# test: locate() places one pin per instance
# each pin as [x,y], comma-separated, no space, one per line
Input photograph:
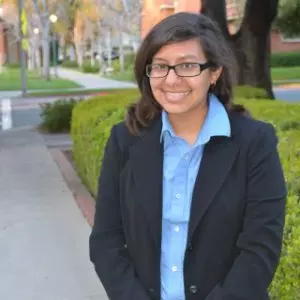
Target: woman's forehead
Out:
[181,50]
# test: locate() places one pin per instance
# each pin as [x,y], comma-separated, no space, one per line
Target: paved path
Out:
[92,81]
[43,235]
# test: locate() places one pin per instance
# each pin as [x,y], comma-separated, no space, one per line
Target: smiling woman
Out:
[191,194]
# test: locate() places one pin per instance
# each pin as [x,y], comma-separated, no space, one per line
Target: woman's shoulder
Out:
[123,135]
[247,129]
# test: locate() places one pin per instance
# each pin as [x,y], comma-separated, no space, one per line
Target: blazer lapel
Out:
[146,157]
[218,157]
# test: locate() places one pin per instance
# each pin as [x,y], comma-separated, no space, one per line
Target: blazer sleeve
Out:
[260,240]
[108,252]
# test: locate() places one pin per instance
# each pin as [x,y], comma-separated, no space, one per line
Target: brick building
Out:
[9,52]
[155,10]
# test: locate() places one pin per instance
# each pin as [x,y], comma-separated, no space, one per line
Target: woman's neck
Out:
[189,124]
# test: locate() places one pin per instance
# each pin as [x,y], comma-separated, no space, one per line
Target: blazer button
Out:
[190,247]
[193,289]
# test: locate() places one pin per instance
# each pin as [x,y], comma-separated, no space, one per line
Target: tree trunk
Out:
[46,59]
[30,55]
[251,43]
[46,50]
[121,46]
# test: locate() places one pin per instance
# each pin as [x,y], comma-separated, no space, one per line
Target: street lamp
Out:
[22,51]
[53,19]
[36,31]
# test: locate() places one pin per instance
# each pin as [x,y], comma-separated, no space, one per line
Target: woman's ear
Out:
[215,74]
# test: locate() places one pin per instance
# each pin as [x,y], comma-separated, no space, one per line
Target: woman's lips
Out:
[175,96]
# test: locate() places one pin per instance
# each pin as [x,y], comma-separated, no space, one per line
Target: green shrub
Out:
[127,75]
[91,124]
[88,68]
[93,129]
[128,62]
[249,92]
[69,64]
[56,116]
[285,59]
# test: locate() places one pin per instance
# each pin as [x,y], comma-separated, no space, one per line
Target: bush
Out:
[128,63]
[94,128]
[285,59]
[69,64]
[56,116]
[249,92]
[93,119]
[88,68]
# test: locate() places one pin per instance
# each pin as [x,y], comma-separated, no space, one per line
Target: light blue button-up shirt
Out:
[181,164]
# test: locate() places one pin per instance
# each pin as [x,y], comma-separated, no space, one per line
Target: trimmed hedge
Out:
[285,59]
[93,120]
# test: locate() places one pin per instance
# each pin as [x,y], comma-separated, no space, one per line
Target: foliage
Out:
[286,73]
[91,124]
[285,59]
[288,20]
[88,68]
[56,116]
[69,64]
[248,92]
[129,62]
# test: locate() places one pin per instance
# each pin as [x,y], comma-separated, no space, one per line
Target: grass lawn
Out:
[70,93]
[292,73]
[10,81]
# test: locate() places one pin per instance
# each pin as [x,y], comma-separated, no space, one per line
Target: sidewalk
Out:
[43,234]
[92,81]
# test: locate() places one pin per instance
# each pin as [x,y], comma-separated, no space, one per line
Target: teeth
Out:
[175,96]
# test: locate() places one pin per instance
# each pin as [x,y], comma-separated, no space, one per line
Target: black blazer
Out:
[236,224]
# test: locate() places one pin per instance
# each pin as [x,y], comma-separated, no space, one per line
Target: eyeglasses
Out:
[181,70]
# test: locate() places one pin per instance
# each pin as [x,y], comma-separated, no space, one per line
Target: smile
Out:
[171,96]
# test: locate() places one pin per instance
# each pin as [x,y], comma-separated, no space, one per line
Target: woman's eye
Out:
[159,67]
[187,66]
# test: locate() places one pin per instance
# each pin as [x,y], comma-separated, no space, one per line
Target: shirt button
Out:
[176,228]
[193,289]
[186,157]
[177,196]
[174,269]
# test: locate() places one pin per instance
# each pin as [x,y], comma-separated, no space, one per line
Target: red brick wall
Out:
[156,10]
[279,45]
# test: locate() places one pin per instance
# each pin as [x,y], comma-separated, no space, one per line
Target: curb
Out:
[84,200]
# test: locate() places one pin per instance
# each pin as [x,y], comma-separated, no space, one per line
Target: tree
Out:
[288,20]
[251,43]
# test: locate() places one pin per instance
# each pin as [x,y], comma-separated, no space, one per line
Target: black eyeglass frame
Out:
[203,67]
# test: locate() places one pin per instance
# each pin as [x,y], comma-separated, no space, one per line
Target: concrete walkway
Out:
[92,81]
[43,235]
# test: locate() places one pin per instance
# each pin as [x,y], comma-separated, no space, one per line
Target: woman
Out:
[191,199]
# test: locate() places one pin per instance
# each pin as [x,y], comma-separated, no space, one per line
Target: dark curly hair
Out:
[177,28]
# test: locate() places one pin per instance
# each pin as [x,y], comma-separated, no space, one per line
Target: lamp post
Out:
[22,52]
[53,19]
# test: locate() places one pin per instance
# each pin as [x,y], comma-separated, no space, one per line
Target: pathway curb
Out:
[83,198]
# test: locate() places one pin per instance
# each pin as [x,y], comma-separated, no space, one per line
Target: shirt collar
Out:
[216,122]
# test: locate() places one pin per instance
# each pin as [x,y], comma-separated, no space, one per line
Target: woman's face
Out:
[176,94]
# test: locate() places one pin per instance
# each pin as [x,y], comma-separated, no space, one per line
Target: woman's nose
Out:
[172,77]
